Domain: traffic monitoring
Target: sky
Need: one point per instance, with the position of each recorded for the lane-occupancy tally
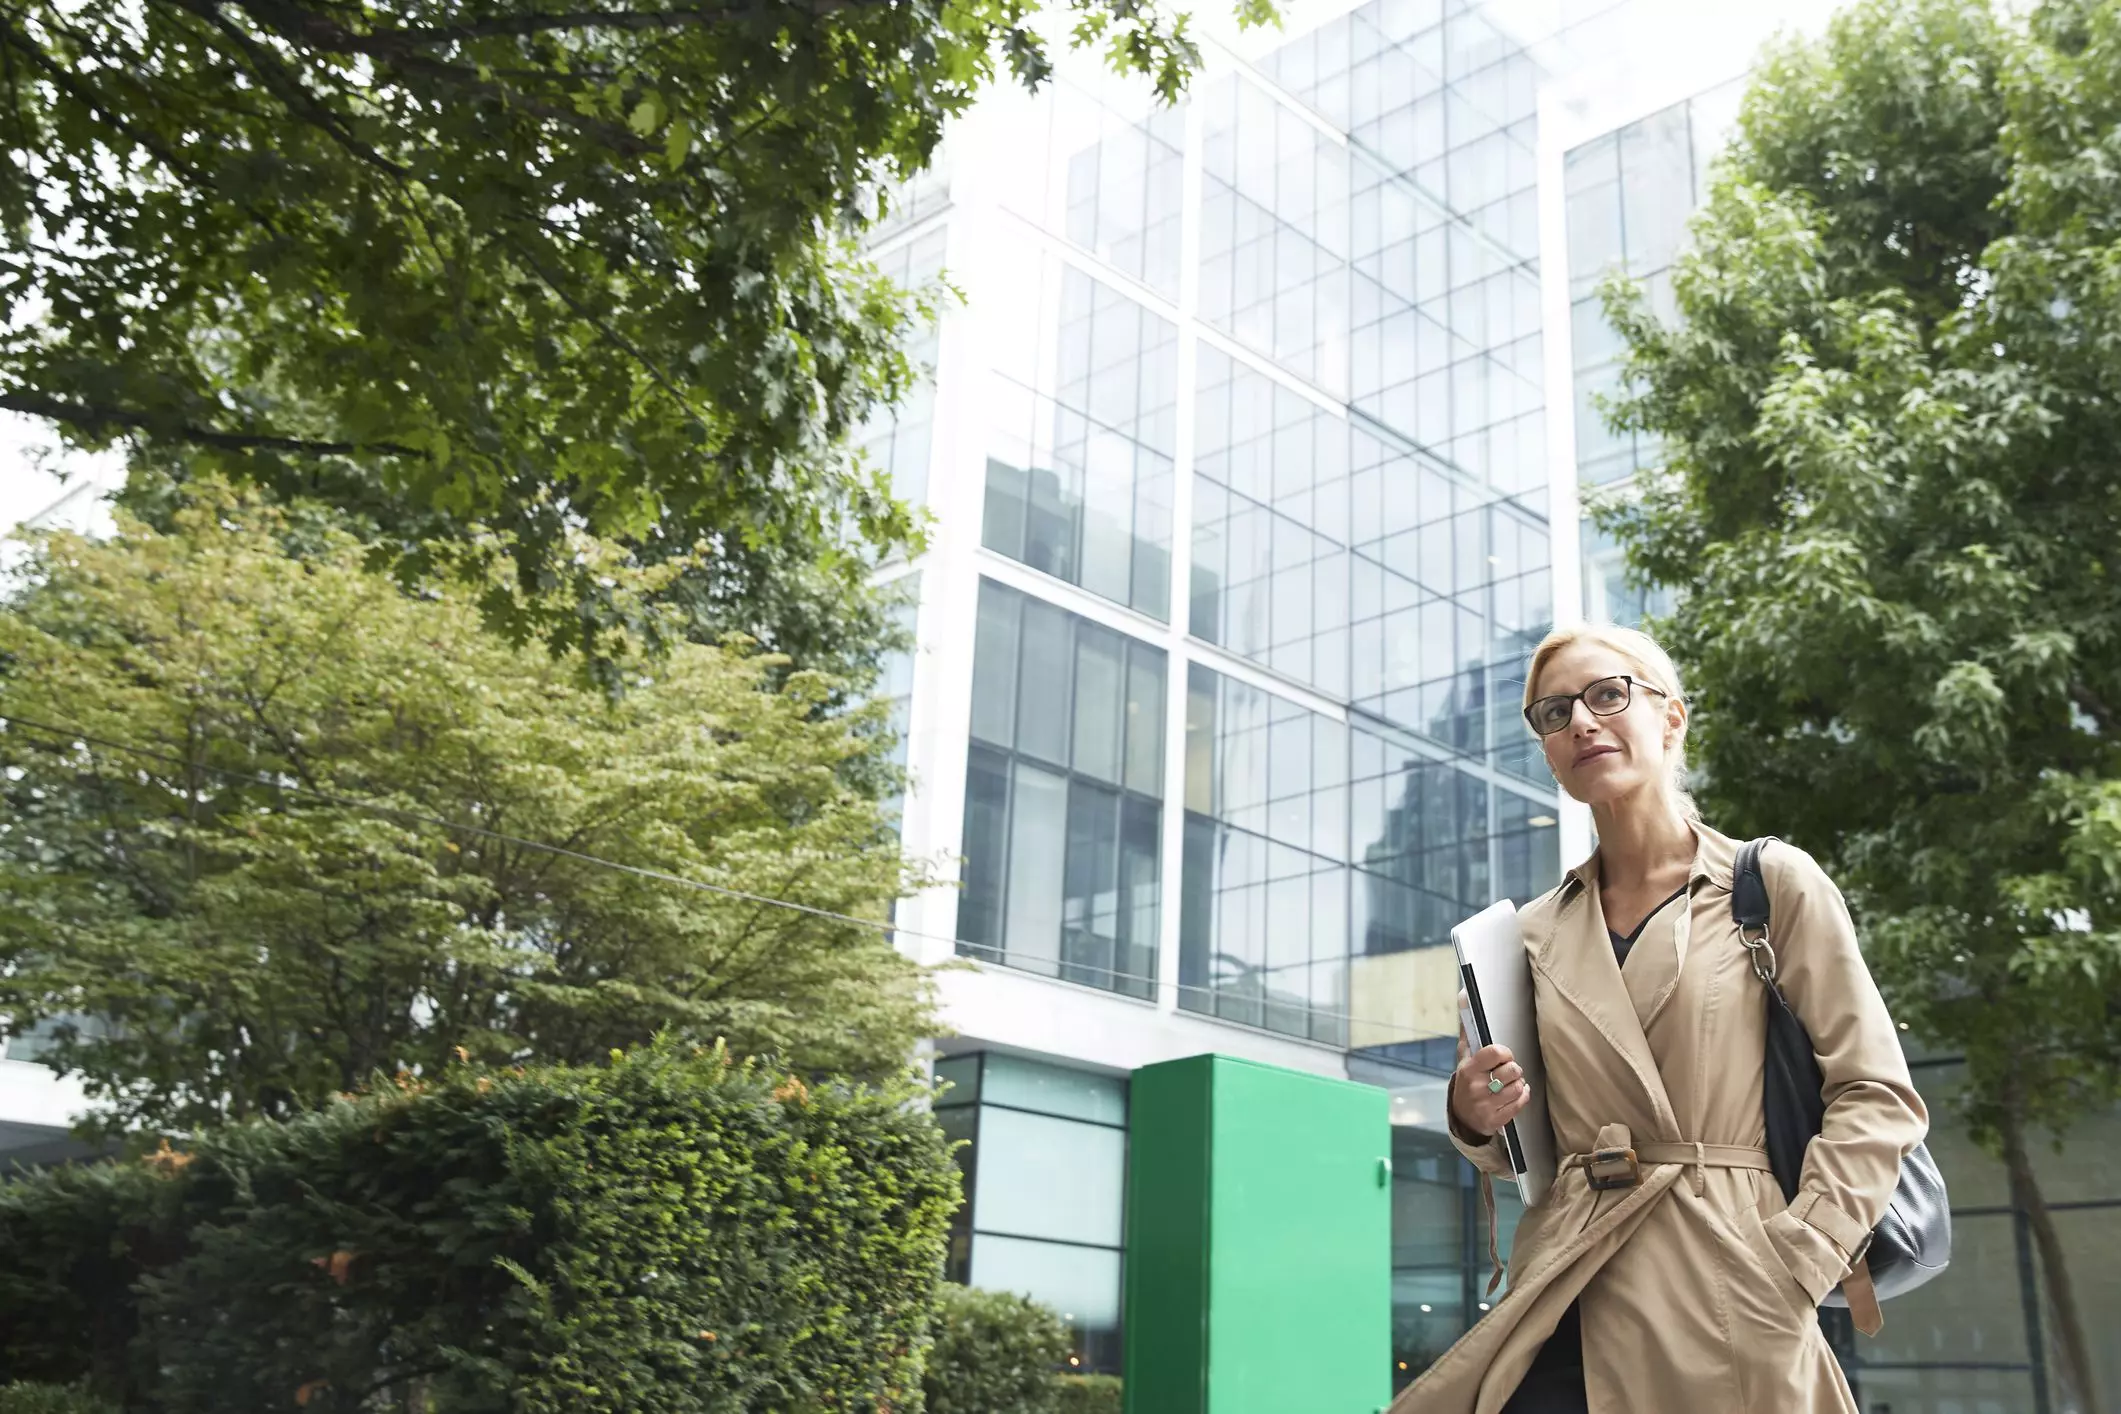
(26, 487)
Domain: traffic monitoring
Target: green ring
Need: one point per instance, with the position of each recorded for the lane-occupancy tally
(1494, 1086)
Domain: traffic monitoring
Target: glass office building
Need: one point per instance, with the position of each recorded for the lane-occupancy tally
(1236, 450)
(1256, 453)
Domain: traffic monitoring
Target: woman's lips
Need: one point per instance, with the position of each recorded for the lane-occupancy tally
(1592, 753)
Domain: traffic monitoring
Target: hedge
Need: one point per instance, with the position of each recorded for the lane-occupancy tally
(74, 1243)
(671, 1234)
(1089, 1394)
(23, 1398)
(994, 1353)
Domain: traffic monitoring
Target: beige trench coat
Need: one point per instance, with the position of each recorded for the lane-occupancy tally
(1698, 1285)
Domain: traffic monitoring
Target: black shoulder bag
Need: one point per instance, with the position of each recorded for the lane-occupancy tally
(1913, 1242)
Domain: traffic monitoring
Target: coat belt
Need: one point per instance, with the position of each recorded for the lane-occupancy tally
(1621, 1167)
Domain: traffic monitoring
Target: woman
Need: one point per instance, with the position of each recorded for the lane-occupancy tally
(1678, 1280)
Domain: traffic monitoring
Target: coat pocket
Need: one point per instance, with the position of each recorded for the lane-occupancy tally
(1754, 1226)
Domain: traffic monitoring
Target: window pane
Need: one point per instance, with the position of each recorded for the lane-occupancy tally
(1037, 845)
(2087, 1168)
(1082, 1283)
(1145, 720)
(1200, 739)
(1055, 500)
(1007, 492)
(1974, 1179)
(1042, 698)
(1097, 703)
(1140, 881)
(1055, 1090)
(994, 665)
(1089, 911)
(2091, 1240)
(979, 908)
(961, 1073)
(1041, 1176)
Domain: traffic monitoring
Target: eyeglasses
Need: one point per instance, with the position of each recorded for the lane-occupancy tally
(1607, 697)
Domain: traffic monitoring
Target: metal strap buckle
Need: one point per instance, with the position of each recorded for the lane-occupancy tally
(1763, 953)
(1613, 1168)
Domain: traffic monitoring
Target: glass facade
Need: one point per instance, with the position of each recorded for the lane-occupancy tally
(1099, 168)
(898, 441)
(1344, 397)
(1063, 796)
(1044, 1161)
(1083, 425)
(1439, 1248)
(1257, 421)
(1313, 849)
(1264, 887)
(1629, 194)
(895, 678)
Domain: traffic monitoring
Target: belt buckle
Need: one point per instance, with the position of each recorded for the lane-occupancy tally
(1613, 1168)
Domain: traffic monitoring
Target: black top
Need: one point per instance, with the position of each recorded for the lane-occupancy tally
(1622, 946)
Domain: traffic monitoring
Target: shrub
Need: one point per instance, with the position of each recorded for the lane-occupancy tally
(994, 1353)
(74, 1241)
(50, 1399)
(1089, 1394)
(669, 1234)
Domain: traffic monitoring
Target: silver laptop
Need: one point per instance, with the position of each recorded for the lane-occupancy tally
(1496, 975)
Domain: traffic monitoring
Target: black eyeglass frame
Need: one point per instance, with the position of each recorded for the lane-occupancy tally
(1572, 698)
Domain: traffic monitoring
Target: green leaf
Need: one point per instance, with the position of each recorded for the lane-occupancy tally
(647, 114)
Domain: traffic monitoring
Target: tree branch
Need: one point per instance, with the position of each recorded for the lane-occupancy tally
(582, 311)
(57, 75)
(306, 27)
(102, 417)
(325, 33)
(277, 77)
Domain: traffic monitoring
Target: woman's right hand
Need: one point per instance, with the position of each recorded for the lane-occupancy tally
(1478, 1109)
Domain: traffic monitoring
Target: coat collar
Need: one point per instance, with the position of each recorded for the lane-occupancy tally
(1574, 954)
(1715, 860)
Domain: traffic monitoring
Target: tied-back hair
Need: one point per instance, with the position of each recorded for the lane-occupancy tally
(1651, 665)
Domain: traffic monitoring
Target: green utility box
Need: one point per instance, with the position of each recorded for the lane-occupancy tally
(1259, 1242)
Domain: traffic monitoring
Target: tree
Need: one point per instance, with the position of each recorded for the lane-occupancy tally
(193, 858)
(490, 274)
(1889, 408)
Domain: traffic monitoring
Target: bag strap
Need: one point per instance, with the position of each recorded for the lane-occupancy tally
(1749, 896)
(1749, 907)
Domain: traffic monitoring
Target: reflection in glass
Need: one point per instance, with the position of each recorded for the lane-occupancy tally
(1045, 1179)
(1050, 1178)
(1054, 1090)
(1263, 917)
(1105, 176)
(1081, 1283)
(897, 439)
(1079, 475)
(1063, 797)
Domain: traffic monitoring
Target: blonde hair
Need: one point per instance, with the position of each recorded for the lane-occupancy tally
(1651, 663)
